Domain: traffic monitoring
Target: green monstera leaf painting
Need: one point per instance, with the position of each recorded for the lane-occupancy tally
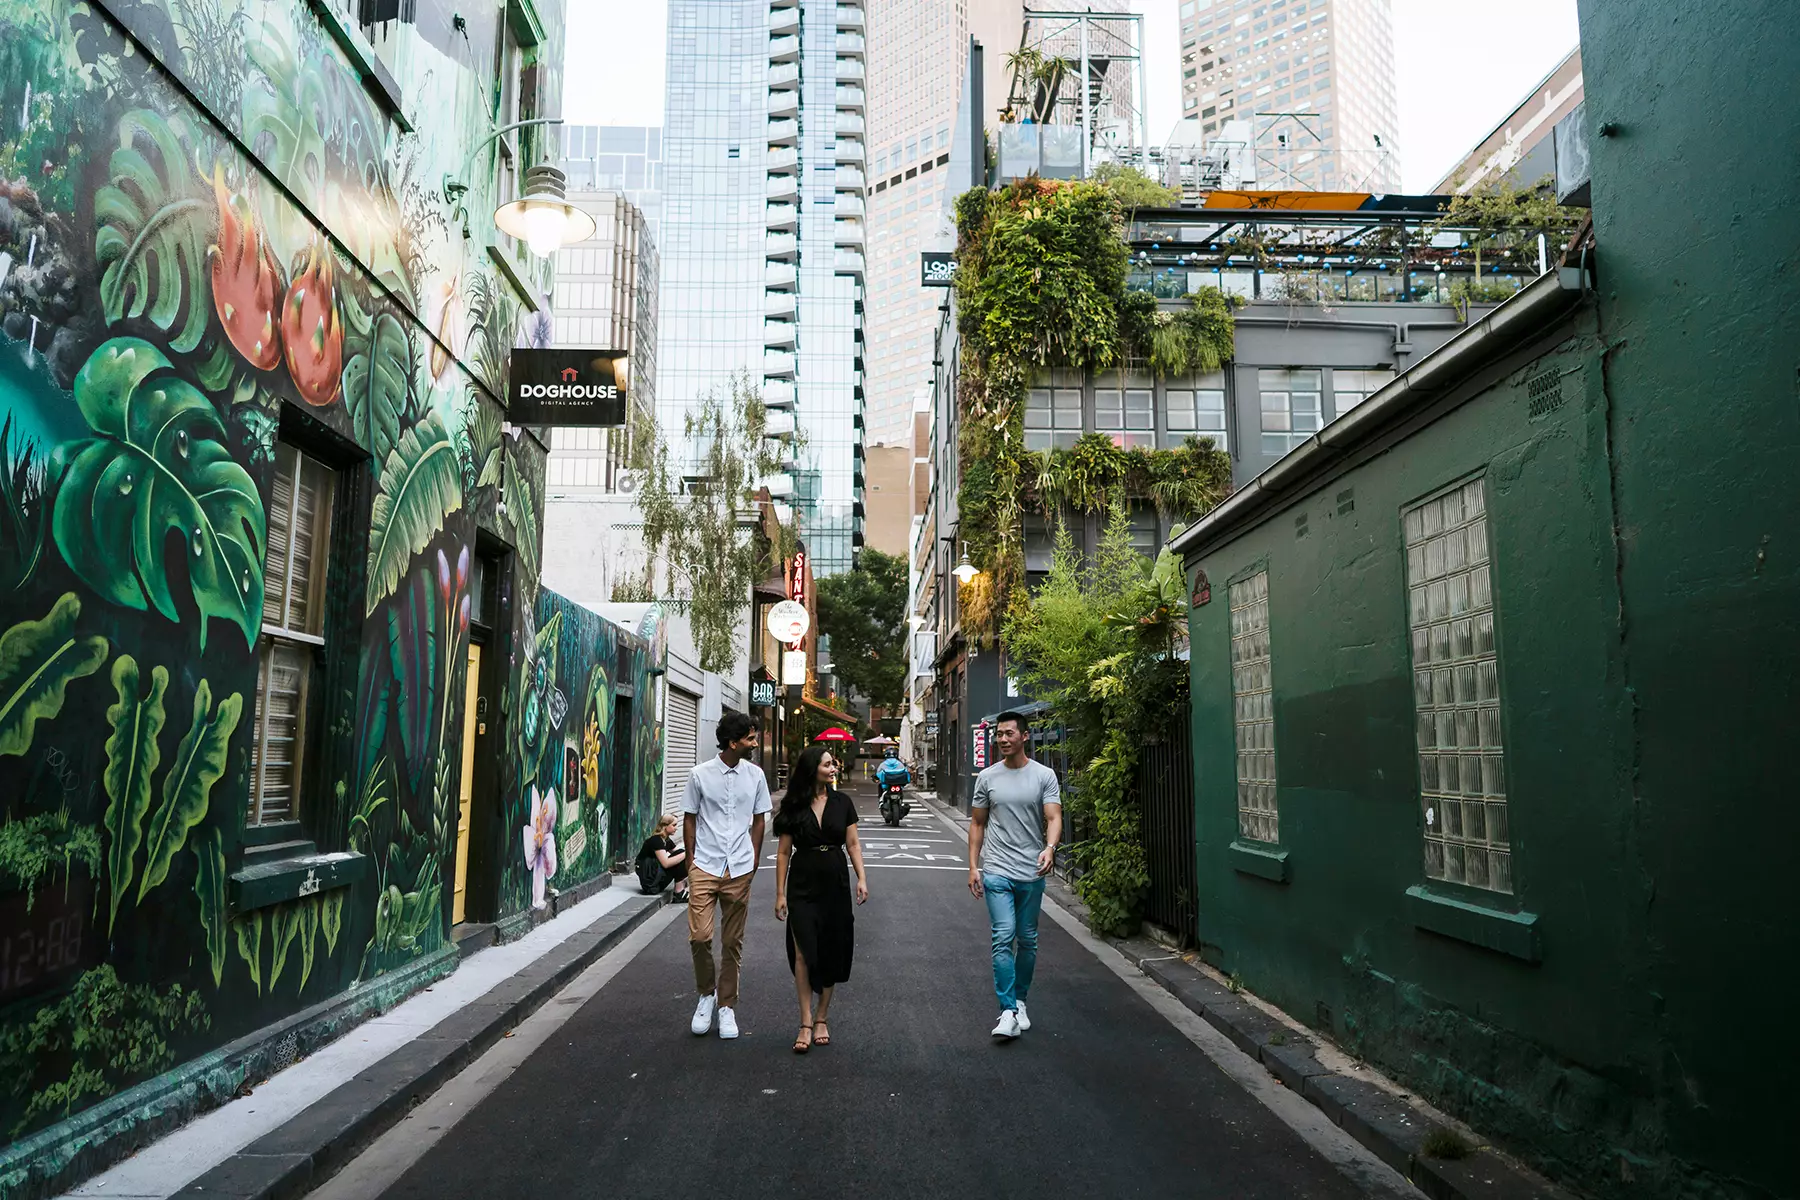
(375, 385)
(152, 229)
(159, 464)
(420, 486)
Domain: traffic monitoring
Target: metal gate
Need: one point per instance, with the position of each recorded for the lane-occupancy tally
(1166, 784)
(681, 732)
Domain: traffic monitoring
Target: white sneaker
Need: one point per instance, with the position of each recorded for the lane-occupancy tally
(703, 1015)
(727, 1023)
(1008, 1028)
(1024, 1021)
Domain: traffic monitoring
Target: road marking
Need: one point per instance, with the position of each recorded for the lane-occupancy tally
(1350, 1157)
(372, 1172)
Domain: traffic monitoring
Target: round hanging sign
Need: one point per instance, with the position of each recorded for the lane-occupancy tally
(788, 621)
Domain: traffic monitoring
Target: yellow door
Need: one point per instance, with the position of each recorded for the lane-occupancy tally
(468, 786)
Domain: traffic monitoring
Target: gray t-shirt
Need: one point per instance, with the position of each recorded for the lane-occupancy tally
(1015, 802)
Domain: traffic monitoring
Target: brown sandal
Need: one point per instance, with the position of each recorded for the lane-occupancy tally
(801, 1047)
(820, 1039)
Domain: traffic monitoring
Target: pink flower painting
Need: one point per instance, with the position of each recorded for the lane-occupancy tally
(540, 844)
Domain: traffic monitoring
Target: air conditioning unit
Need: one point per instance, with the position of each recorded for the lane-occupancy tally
(627, 483)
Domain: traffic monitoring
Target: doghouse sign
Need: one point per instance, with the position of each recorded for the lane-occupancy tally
(566, 387)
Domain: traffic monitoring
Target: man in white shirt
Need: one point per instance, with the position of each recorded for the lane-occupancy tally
(723, 811)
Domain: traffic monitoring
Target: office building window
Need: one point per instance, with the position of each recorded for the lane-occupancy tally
(1456, 690)
(1124, 410)
(1052, 418)
(1253, 709)
(293, 626)
(1145, 538)
(1290, 408)
(1351, 388)
(1195, 407)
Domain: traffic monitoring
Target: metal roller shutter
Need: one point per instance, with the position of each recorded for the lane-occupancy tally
(679, 735)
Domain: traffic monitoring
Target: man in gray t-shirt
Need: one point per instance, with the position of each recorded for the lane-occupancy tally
(1014, 824)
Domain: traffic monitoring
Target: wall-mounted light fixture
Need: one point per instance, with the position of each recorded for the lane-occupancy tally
(543, 218)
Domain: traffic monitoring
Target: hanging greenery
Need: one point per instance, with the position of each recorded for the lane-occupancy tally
(1041, 284)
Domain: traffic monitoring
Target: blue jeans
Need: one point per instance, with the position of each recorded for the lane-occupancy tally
(1013, 906)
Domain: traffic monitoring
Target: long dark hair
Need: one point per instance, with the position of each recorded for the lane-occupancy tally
(803, 783)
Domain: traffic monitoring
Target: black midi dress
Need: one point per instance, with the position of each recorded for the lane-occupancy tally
(820, 925)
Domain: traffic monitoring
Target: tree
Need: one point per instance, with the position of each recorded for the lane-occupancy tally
(864, 613)
(1133, 188)
(701, 552)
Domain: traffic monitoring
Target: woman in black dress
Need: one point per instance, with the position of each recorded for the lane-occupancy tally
(816, 824)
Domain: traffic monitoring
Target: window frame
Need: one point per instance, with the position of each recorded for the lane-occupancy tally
(1292, 436)
(1255, 591)
(305, 644)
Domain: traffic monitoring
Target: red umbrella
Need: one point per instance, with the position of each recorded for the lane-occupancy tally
(835, 734)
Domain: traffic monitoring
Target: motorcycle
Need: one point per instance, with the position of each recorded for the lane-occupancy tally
(893, 808)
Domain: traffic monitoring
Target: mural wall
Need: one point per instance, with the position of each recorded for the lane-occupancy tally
(589, 746)
(212, 240)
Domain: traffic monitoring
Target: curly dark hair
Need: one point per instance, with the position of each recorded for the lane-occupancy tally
(732, 726)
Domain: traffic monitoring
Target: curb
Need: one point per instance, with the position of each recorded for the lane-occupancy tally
(1386, 1122)
(322, 1138)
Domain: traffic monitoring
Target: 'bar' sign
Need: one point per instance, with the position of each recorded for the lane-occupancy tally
(566, 387)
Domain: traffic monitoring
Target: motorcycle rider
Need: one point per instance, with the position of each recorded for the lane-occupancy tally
(893, 773)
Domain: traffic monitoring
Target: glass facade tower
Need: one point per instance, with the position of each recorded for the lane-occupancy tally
(762, 238)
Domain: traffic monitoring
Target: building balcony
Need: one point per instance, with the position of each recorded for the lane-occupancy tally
(848, 233)
(784, 19)
(780, 424)
(781, 245)
(778, 364)
(779, 275)
(849, 123)
(784, 49)
(784, 103)
(778, 393)
(783, 512)
(779, 335)
(783, 74)
(849, 262)
(849, 98)
(849, 179)
(776, 6)
(850, 43)
(848, 150)
(850, 16)
(848, 204)
(784, 131)
(782, 158)
(783, 189)
(781, 216)
(778, 306)
(850, 70)
(778, 485)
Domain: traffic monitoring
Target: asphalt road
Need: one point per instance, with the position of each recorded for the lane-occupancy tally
(1103, 1097)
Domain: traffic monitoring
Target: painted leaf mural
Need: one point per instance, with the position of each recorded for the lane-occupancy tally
(285, 107)
(376, 383)
(284, 924)
(38, 661)
(152, 231)
(209, 886)
(521, 509)
(160, 465)
(419, 488)
(249, 932)
(132, 755)
(309, 935)
(199, 762)
(412, 654)
(331, 918)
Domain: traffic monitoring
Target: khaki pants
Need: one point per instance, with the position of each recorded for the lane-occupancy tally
(733, 897)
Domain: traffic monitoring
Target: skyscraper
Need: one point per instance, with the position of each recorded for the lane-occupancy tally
(1315, 78)
(762, 237)
(627, 159)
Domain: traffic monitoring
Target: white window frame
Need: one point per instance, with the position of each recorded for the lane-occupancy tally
(299, 642)
(1280, 420)
(1182, 412)
(1056, 406)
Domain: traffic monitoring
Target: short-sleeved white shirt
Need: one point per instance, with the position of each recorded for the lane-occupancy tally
(725, 800)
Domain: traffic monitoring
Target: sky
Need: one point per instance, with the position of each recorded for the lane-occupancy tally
(1462, 66)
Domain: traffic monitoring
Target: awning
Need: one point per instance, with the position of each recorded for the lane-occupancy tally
(842, 718)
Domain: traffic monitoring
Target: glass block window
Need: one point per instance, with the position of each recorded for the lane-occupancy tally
(1351, 388)
(292, 630)
(1253, 709)
(1195, 407)
(1290, 408)
(1125, 411)
(1456, 690)
(1052, 418)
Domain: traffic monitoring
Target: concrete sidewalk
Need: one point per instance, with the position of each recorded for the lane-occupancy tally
(299, 1125)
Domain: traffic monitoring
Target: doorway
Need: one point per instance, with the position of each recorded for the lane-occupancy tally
(618, 822)
(466, 800)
